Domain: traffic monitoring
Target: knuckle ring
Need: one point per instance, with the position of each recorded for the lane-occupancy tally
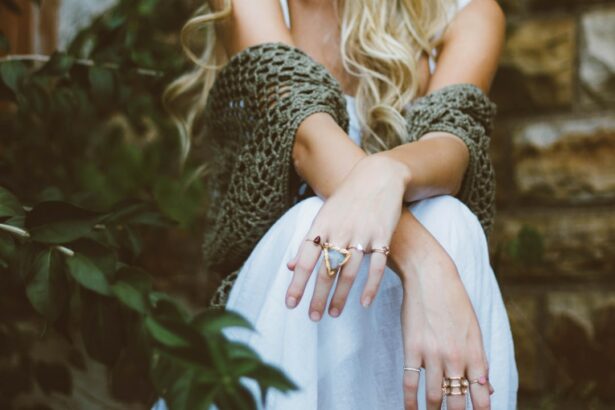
(385, 250)
(358, 247)
(455, 386)
(316, 240)
(481, 380)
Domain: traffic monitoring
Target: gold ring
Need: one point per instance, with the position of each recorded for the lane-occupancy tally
(358, 247)
(455, 386)
(384, 250)
(335, 258)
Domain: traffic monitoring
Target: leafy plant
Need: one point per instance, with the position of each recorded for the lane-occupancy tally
(71, 273)
(93, 158)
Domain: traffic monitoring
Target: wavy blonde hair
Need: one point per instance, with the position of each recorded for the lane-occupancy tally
(382, 43)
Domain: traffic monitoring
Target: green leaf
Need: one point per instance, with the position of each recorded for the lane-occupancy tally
(131, 288)
(102, 256)
(47, 288)
(58, 222)
(101, 82)
(9, 204)
(183, 386)
(214, 320)
(12, 74)
(59, 64)
(168, 332)
(88, 275)
(7, 249)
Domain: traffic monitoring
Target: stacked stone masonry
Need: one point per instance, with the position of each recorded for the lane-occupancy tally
(553, 246)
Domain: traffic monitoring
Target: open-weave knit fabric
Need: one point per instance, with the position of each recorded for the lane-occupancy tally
(254, 108)
(466, 112)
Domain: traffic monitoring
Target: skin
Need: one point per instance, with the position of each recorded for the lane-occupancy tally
(440, 328)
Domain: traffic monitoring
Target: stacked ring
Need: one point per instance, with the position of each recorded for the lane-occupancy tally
(384, 250)
(455, 386)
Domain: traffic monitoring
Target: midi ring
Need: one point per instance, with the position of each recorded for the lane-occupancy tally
(481, 380)
(385, 250)
(315, 241)
(358, 247)
(412, 369)
(335, 258)
(455, 386)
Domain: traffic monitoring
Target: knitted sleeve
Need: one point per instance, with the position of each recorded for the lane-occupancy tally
(465, 111)
(257, 102)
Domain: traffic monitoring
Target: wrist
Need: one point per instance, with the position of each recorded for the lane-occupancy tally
(393, 165)
(411, 246)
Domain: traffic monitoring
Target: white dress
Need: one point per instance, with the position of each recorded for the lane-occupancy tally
(355, 361)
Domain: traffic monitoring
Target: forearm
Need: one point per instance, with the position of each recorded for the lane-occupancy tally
(324, 155)
(436, 164)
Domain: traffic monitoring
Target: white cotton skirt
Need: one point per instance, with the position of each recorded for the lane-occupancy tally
(355, 361)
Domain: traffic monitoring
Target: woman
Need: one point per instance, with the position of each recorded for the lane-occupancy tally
(336, 330)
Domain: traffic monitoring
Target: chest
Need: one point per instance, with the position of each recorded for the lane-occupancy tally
(314, 26)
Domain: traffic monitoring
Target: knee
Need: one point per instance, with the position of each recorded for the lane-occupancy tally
(446, 215)
(449, 220)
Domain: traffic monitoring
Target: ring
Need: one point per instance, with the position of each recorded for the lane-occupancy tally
(455, 386)
(335, 258)
(316, 240)
(384, 250)
(412, 369)
(358, 247)
(481, 380)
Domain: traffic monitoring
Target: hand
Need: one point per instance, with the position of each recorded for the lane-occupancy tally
(440, 331)
(364, 210)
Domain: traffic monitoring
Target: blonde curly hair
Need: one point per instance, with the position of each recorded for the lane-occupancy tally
(382, 43)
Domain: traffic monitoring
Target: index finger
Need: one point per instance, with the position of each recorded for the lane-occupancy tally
(306, 260)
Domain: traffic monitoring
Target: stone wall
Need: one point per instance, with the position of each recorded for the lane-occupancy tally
(553, 248)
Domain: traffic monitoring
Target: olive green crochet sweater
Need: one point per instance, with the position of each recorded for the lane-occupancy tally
(259, 99)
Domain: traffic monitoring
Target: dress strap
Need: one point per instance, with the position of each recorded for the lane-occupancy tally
(285, 11)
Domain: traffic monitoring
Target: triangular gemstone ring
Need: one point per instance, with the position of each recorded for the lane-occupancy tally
(335, 258)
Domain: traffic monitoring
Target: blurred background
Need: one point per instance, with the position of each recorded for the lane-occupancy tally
(81, 123)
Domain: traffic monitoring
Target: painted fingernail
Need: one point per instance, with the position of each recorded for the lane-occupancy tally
(334, 312)
(315, 316)
(291, 302)
(366, 301)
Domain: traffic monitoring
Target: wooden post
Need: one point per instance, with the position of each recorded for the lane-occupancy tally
(33, 30)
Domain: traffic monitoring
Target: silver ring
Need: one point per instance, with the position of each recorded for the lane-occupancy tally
(412, 369)
(358, 247)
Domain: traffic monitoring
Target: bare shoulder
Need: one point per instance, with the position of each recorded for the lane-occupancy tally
(251, 22)
(471, 46)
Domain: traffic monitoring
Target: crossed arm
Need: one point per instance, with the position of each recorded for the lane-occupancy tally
(340, 171)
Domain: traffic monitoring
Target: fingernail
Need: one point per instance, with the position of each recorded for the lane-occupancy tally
(334, 312)
(482, 380)
(291, 302)
(366, 301)
(315, 316)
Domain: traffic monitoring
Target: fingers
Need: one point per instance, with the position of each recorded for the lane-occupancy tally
(345, 279)
(411, 387)
(303, 264)
(376, 272)
(481, 390)
(433, 385)
(324, 282)
(454, 368)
